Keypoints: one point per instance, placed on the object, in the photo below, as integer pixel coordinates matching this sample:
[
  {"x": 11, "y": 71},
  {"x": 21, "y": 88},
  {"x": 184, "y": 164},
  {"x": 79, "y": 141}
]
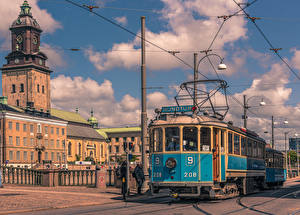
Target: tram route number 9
[
  {"x": 190, "y": 174},
  {"x": 190, "y": 160}
]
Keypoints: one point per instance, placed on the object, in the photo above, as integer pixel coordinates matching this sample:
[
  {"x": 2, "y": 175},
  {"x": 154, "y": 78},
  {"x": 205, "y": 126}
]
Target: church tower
[{"x": 25, "y": 77}]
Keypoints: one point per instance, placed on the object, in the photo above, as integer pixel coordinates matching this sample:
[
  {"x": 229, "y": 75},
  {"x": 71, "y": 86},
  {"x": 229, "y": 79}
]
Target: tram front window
[
  {"x": 205, "y": 139},
  {"x": 190, "y": 139},
  {"x": 172, "y": 139},
  {"x": 157, "y": 140}
]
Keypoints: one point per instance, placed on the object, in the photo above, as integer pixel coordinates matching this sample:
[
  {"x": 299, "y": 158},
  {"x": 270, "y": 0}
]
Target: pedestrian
[
  {"x": 123, "y": 174},
  {"x": 139, "y": 176}
]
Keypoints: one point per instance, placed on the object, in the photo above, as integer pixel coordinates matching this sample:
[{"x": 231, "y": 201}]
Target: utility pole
[
  {"x": 286, "y": 155},
  {"x": 143, "y": 82},
  {"x": 245, "y": 106},
  {"x": 272, "y": 132},
  {"x": 127, "y": 168},
  {"x": 297, "y": 151},
  {"x": 195, "y": 78}
]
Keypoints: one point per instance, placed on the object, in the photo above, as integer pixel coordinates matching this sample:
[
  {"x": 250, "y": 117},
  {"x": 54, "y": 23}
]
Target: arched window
[
  {"x": 91, "y": 153},
  {"x": 79, "y": 148},
  {"x": 101, "y": 151},
  {"x": 70, "y": 149},
  {"x": 38, "y": 88}
]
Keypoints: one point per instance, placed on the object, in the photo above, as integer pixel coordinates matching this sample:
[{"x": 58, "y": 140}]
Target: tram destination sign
[{"x": 173, "y": 109}]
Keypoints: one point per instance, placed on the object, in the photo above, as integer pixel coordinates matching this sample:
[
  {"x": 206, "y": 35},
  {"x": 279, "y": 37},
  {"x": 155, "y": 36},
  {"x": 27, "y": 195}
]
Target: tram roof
[{"x": 171, "y": 119}]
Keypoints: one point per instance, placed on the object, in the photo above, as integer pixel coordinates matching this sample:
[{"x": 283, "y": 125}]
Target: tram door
[{"x": 216, "y": 154}]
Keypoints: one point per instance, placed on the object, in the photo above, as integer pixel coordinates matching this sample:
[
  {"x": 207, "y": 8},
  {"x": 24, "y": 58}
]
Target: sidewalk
[{"x": 15, "y": 199}]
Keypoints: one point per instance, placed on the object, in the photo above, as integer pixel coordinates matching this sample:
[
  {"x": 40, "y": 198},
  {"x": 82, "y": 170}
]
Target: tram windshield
[
  {"x": 157, "y": 140},
  {"x": 172, "y": 139},
  {"x": 190, "y": 139}
]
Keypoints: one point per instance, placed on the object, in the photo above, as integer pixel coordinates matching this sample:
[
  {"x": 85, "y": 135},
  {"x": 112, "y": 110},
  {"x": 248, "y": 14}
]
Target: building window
[
  {"x": 18, "y": 155},
  {"x": 124, "y": 139},
  {"x": 46, "y": 155},
  {"x": 109, "y": 148},
  {"x": 58, "y": 158},
  {"x": 10, "y": 125},
  {"x": 39, "y": 128},
  {"x": 62, "y": 131},
  {"x": 10, "y": 140},
  {"x": 31, "y": 156},
  {"x": 132, "y": 139},
  {"x": 79, "y": 148},
  {"x": 70, "y": 149},
  {"x": 43, "y": 89},
  {"x": 17, "y": 141},
  {"x": 31, "y": 128},
  {"x": 31, "y": 142},
  {"x": 46, "y": 143},
  {"x": 38, "y": 88},
  {"x": 52, "y": 130},
  {"x": 18, "y": 103},
  {"x": 21, "y": 88},
  {"x": 24, "y": 127},
  {"x": 117, "y": 139},
  {"x": 133, "y": 148},
  {"x": 46, "y": 129},
  {"x": 18, "y": 126},
  {"x": 24, "y": 141},
  {"x": 117, "y": 149},
  {"x": 57, "y": 131},
  {"x": 52, "y": 143},
  {"x": 52, "y": 156},
  {"x": 57, "y": 144},
  {"x": 101, "y": 151},
  {"x": 13, "y": 88},
  {"x": 25, "y": 156},
  {"x": 11, "y": 155}
]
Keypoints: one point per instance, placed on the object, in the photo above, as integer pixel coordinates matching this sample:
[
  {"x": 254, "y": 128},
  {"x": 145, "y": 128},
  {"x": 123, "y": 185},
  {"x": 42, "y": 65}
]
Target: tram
[{"x": 200, "y": 155}]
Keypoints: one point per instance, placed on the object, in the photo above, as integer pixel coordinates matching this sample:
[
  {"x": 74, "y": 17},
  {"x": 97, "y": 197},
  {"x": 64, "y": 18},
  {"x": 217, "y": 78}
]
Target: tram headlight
[{"x": 171, "y": 163}]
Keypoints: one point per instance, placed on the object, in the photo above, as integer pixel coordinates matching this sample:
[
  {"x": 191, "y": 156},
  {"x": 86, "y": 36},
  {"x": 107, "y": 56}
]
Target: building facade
[
  {"x": 116, "y": 137},
  {"x": 293, "y": 142}
]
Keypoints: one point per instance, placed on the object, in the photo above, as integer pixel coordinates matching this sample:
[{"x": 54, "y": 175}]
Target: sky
[{"x": 104, "y": 75}]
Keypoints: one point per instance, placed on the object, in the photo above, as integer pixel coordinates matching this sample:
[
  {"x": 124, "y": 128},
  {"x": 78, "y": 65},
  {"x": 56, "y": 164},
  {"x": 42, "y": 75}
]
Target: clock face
[
  {"x": 18, "y": 22},
  {"x": 34, "y": 41},
  {"x": 17, "y": 60},
  {"x": 19, "y": 39},
  {"x": 41, "y": 62}
]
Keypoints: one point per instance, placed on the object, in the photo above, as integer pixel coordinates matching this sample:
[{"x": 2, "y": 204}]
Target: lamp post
[
  {"x": 221, "y": 66},
  {"x": 297, "y": 151},
  {"x": 286, "y": 155},
  {"x": 246, "y": 107}
]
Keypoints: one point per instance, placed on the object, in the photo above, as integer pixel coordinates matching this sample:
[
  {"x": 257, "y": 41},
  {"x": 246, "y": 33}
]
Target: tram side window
[
  {"x": 244, "y": 146},
  {"x": 157, "y": 140},
  {"x": 205, "y": 139},
  {"x": 236, "y": 144},
  {"x": 260, "y": 150},
  {"x": 222, "y": 141},
  {"x": 254, "y": 149},
  {"x": 172, "y": 139},
  {"x": 190, "y": 139},
  {"x": 229, "y": 142},
  {"x": 249, "y": 148}
]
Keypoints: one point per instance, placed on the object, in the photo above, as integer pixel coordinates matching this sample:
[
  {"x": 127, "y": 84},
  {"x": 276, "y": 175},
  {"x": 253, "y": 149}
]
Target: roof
[
  {"x": 83, "y": 131},
  {"x": 105, "y": 131},
  {"x": 68, "y": 116}
]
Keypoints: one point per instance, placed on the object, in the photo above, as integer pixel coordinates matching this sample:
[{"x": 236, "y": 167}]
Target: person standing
[
  {"x": 139, "y": 176},
  {"x": 123, "y": 173}
]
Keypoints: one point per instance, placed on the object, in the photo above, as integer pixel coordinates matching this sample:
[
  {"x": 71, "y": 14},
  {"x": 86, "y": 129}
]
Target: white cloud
[
  {"x": 121, "y": 20},
  {"x": 10, "y": 10},
  {"x": 186, "y": 31},
  {"x": 68, "y": 93},
  {"x": 54, "y": 55}
]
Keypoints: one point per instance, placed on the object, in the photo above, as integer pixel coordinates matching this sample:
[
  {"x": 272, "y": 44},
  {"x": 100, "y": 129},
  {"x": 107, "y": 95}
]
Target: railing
[
  {"x": 77, "y": 178},
  {"x": 13, "y": 175}
]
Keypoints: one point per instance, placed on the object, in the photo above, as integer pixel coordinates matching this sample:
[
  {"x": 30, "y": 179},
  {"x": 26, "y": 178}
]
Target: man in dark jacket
[
  {"x": 123, "y": 171},
  {"x": 139, "y": 176}
]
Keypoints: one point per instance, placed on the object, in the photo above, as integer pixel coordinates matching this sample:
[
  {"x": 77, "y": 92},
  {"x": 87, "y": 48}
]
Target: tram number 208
[{"x": 190, "y": 174}]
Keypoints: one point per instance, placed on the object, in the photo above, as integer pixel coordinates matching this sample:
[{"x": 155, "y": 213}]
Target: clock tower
[{"x": 25, "y": 76}]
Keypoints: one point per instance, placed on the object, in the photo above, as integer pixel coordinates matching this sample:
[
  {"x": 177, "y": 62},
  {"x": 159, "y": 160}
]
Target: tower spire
[{"x": 25, "y": 9}]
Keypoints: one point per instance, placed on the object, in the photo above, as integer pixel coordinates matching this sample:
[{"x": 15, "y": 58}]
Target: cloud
[
  {"x": 54, "y": 55},
  {"x": 68, "y": 93},
  {"x": 121, "y": 20},
  {"x": 10, "y": 10},
  {"x": 186, "y": 30}
]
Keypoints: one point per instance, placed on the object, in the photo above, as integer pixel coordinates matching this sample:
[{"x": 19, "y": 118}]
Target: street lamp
[
  {"x": 246, "y": 107},
  {"x": 221, "y": 66},
  {"x": 297, "y": 151}
]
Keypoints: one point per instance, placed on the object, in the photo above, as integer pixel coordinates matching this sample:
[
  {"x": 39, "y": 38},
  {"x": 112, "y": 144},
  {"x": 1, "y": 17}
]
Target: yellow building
[{"x": 83, "y": 142}]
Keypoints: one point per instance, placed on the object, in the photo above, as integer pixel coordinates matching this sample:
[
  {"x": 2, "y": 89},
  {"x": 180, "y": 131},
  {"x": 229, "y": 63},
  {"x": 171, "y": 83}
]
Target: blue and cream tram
[
  {"x": 201, "y": 156},
  {"x": 275, "y": 173}
]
